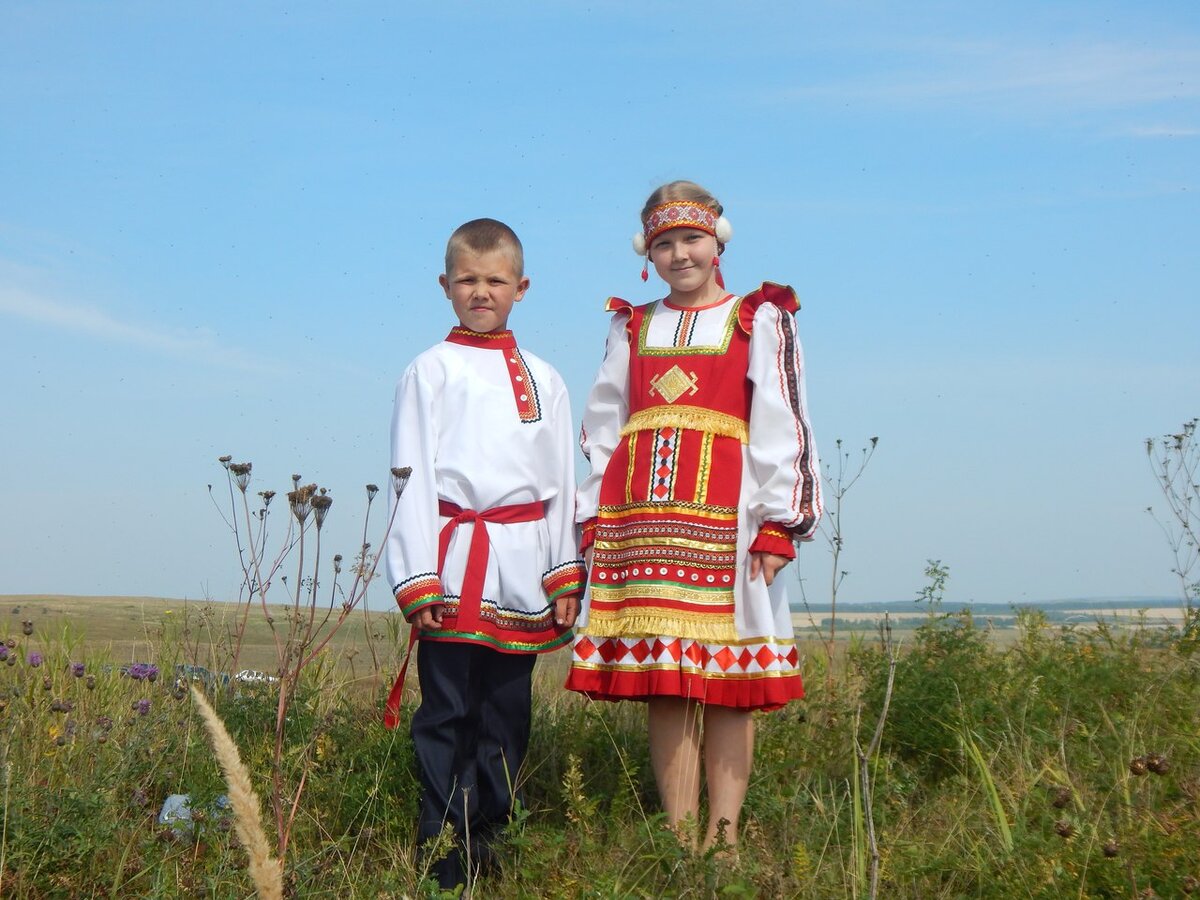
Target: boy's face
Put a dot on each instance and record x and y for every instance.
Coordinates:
(482, 287)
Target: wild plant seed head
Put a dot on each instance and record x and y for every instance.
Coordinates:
(267, 497)
(300, 501)
(241, 474)
(225, 460)
(320, 505)
(337, 564)
(400, 476)
(1138, 765)
(372, 490)
(26, 628)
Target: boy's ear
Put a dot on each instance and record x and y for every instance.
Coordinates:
(445, 283)
(522, 287)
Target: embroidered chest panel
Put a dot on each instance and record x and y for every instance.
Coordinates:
(686, 332)
(525, 389)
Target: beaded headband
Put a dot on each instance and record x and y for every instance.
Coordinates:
(681, 214)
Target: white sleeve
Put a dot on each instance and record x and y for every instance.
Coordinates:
(605, 414)
(783, 458)
(412, 541)
(560, 509)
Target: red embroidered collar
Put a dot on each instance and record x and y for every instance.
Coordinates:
(492, 340)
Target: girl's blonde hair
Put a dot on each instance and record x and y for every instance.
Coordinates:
(681, 190)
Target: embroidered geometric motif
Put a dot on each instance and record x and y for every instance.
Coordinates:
(753, 659)
(673, 384)
(662, 482)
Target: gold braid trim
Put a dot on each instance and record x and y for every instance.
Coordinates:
(696, 418)
(697, 627)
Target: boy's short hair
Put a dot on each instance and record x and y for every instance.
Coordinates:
(484, 236)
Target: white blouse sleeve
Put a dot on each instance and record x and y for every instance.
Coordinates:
(605, 414)
(412, 541)
(783, 458)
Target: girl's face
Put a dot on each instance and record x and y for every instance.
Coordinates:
(683, 258)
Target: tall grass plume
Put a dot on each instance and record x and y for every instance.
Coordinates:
(247, 819)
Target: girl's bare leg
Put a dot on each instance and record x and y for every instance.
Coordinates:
(675, 756)
(728, 756)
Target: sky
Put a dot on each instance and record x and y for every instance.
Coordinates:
(221, 227)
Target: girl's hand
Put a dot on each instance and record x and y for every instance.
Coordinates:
(587, 559)
(566, 611)
(768, 564)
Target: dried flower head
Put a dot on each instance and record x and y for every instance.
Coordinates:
(1060, 798)
(267, 497)
(372, 490)
(1064, 829)
(91, 682)
(1158, 764)
(320, 505)
(47, 684)
(10, 643)
(241, 474)
(1111, 848)
(1190, 884)
(300, 501)
(337, 564)
(26, 628)
(295, 480)
(1137, 765)
(400, 478)
(225, 460)
(77, 669)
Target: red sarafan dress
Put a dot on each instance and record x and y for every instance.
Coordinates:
(701, 452)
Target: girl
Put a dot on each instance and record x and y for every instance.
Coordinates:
(703, 474)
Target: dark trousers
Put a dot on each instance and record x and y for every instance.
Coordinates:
(470, 735)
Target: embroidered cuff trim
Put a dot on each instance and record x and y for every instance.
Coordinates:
(417, 592)
(587, 534)
(774, 538)
(565, 580)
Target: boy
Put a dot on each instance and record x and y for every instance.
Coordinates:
(482, 555)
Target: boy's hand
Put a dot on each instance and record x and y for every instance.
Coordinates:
(566, 611)
(428, 618)
(768, 564)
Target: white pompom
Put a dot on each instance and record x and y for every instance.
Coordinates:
(639, 244)
(724, 230)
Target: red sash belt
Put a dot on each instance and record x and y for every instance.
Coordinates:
(471, 595)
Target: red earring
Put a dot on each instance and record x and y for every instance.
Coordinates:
(646, 269)
(717, 266)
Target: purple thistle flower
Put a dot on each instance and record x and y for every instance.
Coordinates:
(143, 672)
(3, 652)
(77, 669)
(34, 659)
(142, 706)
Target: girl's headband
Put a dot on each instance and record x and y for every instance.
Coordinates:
(681, 214)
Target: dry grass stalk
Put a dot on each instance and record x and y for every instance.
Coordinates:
(266, 872)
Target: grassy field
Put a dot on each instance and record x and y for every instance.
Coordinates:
(1061, 761)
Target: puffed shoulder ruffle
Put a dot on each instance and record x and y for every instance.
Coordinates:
(616, 304)
(780, 295)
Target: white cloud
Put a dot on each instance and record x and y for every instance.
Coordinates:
(1162, 131)
(200, 346)
(987, 74)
